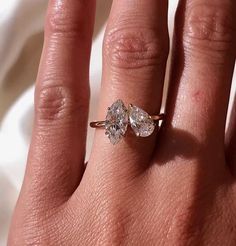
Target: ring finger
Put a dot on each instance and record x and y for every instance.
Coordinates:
(135, 52)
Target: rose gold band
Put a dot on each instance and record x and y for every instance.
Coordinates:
(101, 124)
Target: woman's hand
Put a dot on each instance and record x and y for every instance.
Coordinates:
(176, 187)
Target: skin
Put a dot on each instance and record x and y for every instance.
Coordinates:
(176, 187)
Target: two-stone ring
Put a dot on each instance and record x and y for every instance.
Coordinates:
(118, 119)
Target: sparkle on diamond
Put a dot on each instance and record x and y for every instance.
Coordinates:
(141, 122)
(116, 122)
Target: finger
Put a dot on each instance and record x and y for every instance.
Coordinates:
(231, 139)
(56, 157)
(202, 69)
(135, 52)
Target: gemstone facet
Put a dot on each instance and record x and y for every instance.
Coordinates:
(116, 122)
(140, 121)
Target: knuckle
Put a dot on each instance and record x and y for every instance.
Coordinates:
(65, 20)
(134, 49)
(35, 225)
(56, 103)
(209, 27)
(35, 232)
(182, 229)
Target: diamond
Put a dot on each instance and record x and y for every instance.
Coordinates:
(140, 121)
(116, 122)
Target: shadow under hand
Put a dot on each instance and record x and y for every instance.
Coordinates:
(180, 147)
(181, 144)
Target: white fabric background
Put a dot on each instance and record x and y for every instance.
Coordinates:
(21, 27)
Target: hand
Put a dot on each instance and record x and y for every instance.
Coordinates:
(176, 187)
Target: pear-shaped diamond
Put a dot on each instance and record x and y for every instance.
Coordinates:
(116, 121)
(141, 122)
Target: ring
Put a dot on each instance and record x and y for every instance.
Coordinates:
(118, 119)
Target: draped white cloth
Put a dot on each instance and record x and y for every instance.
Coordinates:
(21, 28)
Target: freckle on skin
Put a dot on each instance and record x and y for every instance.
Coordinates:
(197, 96)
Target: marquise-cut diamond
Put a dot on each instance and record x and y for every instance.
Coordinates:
(116, 121)
(141, 122)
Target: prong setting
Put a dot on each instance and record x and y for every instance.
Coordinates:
(120, 117)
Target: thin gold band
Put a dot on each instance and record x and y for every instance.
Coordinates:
(101, 124)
